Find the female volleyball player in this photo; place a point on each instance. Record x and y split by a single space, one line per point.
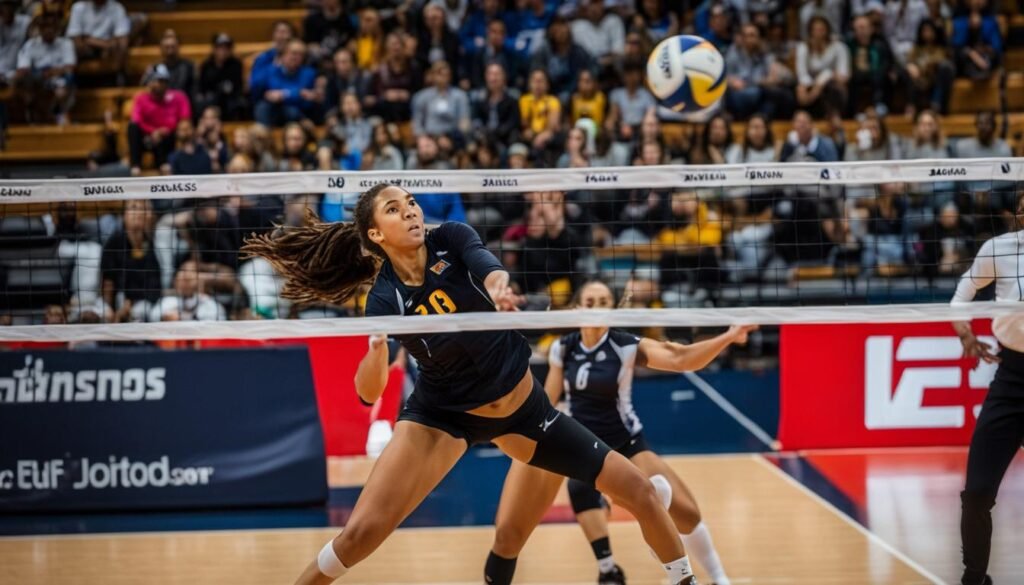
473 387
594 368
1000 429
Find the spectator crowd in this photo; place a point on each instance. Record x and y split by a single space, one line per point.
487 84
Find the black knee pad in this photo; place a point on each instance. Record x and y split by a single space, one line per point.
584 497
977 501
568 448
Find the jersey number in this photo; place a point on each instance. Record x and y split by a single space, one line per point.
440 302
582 375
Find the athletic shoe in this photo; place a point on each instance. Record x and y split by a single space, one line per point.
691 580
613 577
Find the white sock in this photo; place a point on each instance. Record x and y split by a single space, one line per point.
698 543
606 564
678 570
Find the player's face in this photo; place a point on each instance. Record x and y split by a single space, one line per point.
596 296
398 220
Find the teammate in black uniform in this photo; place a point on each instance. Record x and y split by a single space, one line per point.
593 369
473 387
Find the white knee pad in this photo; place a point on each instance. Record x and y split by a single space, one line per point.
664 489
329 563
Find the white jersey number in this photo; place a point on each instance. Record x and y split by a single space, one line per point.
582 376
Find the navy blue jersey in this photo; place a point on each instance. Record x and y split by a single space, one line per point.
458 371
598 383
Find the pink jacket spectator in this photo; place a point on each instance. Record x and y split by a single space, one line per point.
150 114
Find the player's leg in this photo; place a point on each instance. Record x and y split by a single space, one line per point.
416 451
997 438
686 515
527 494
592 516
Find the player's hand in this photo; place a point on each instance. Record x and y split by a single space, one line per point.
377 341
976 348
739 333
507 300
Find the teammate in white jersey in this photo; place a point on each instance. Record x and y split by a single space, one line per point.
1000 429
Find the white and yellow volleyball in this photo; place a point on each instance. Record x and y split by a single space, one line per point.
686 73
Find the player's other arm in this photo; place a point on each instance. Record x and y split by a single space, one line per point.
372 373
981 274
482 264
677 357
553 383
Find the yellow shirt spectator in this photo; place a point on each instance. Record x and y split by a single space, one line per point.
704 230
536 112
367 52
593 107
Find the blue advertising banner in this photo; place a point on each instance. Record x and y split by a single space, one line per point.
146 428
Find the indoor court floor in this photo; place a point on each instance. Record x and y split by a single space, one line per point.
838 517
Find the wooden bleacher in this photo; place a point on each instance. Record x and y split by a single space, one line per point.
199 27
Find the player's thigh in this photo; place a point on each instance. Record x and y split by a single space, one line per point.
415 460
527 494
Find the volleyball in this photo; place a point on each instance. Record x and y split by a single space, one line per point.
686 73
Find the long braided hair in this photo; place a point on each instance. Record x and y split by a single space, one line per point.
322 262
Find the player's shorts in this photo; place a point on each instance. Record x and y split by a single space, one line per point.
585 497
564 446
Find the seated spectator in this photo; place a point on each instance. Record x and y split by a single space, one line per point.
345 77
78 248
832 10
188 302
540 113
99 29
718 28
436 41
368 45
351 127
496 50
927 140
601 34
900 23
977 42
155 116
758 147
440 109
13 32
870 65
874 142
561 58
528 24
190 157
220 81
714 142
588 101
754 83
289 94
884 244
763 13
183 72
985 143
327 29
254 143
297 153
822 69
282 34
804 144
546 261
45 77
382 154
629 103
654 17
929 70
496 112
945 247
129 265
474 34
690 223
428 155
576 152
210 133
394 82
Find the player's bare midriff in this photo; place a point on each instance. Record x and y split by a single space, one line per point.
508 403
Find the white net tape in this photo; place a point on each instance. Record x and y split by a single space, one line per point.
505 181
535 320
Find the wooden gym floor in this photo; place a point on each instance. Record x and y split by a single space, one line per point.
767 515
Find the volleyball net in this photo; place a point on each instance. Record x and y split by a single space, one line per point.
682 246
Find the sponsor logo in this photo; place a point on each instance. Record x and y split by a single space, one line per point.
757 175
403 183
500 182
439 267
89 190
601 178
1005 167
442 253
33 384
698 177
898 402
174 188
15 192
664 63
601 356
114 472
950 172
578 356
335 182
547 423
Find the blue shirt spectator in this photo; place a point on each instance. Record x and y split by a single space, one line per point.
804 144
289 94
528 26
267 60
441 207
977 43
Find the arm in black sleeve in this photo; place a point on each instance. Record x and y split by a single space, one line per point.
464 241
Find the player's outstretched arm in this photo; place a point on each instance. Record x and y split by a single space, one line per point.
676 357
372 374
